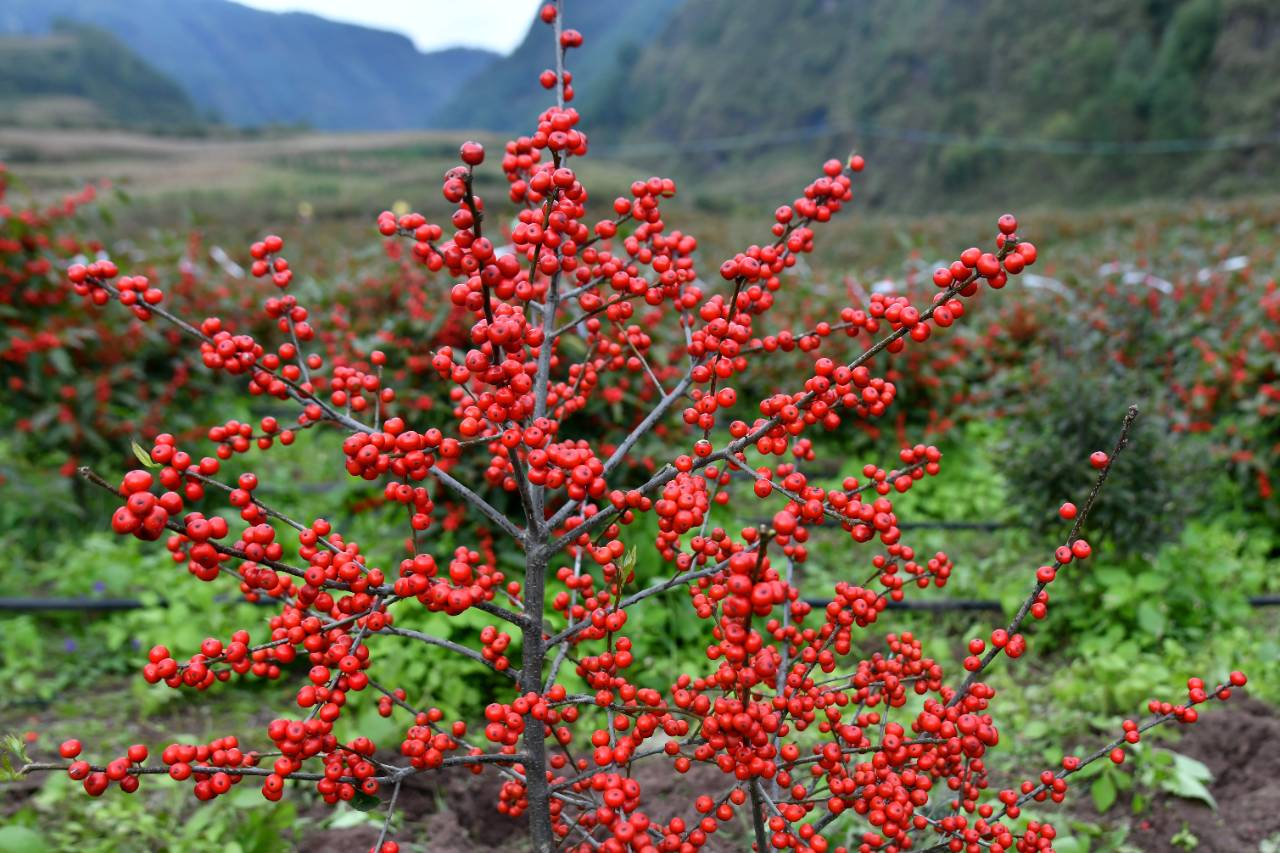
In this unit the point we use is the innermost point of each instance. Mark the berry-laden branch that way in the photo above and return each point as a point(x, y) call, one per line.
point(655, 421)
point(1036, 603)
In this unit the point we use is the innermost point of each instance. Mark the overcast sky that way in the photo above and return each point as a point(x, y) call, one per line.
point(432, 24)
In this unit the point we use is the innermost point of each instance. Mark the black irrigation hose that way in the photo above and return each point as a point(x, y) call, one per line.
point(932, 606)
point(948, 604)
point(935, 525)
point(102, 605)
point(40, 605)
point(954, 525)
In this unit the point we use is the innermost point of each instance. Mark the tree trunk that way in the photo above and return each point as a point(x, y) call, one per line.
point(541, 837)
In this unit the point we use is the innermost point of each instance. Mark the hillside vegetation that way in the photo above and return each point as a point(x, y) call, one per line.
point(506, 95)
point(79, 75)
point(979, 104)
point(1010, 99)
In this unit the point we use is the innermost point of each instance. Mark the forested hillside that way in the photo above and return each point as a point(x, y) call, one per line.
point(967, 103)
point(80, 75)
point(1105, 99)
point(506, 93)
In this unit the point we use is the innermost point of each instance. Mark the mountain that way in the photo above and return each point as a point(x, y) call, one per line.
point(965, 102)
point(978, 103)
point(506, 95)
point(255, 68)
point(80, 75)
point(986, 102)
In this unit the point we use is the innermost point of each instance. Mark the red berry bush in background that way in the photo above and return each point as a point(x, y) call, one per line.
point(82, 384)
point(79, 384)
point(590, 380)
point(1192, 333)
point(44, 336)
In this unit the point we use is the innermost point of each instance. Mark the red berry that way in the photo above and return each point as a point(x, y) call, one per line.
point(472, 153)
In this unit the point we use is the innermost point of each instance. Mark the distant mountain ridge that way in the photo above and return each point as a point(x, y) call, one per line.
point(257, 68)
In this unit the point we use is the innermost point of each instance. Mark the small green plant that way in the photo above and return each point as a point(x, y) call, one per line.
point(1184, 839)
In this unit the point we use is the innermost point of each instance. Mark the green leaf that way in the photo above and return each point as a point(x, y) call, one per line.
point(364, 802)
point(199, 820)
point(1150, 618)
point(1035, 728)
point(1150, 581)
point(1191, 789)
point(1187, 766)
point(61, 361)
point(1091, 770)
point(13, 755)
point(628, 564)
point(1072, 844)
point(1104, 793)
point(144, 457)
point(1189, 780)
point(246, 797)
point(21, 839)
point(347, 818)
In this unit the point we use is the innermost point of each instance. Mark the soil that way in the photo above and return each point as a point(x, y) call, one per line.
point(470, 822)
point(1240, 743)
point(454, 812)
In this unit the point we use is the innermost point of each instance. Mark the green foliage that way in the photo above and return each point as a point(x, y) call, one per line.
point(13, 755)
point(504, 94)
point(973, 485)
point(941, 98)
point(1175, 773)
point(101, 80)
point(1185, 591)
point(1147, 770)
point(160, 817)
point(21, 839)
point(1044, 452)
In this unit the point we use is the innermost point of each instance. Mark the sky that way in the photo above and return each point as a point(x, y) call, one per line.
point(431, 24)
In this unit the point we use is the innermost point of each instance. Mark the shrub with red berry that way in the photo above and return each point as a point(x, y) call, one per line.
point(558, 375)
point(80, 384)
point(1191, 336)
point(43, 332)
